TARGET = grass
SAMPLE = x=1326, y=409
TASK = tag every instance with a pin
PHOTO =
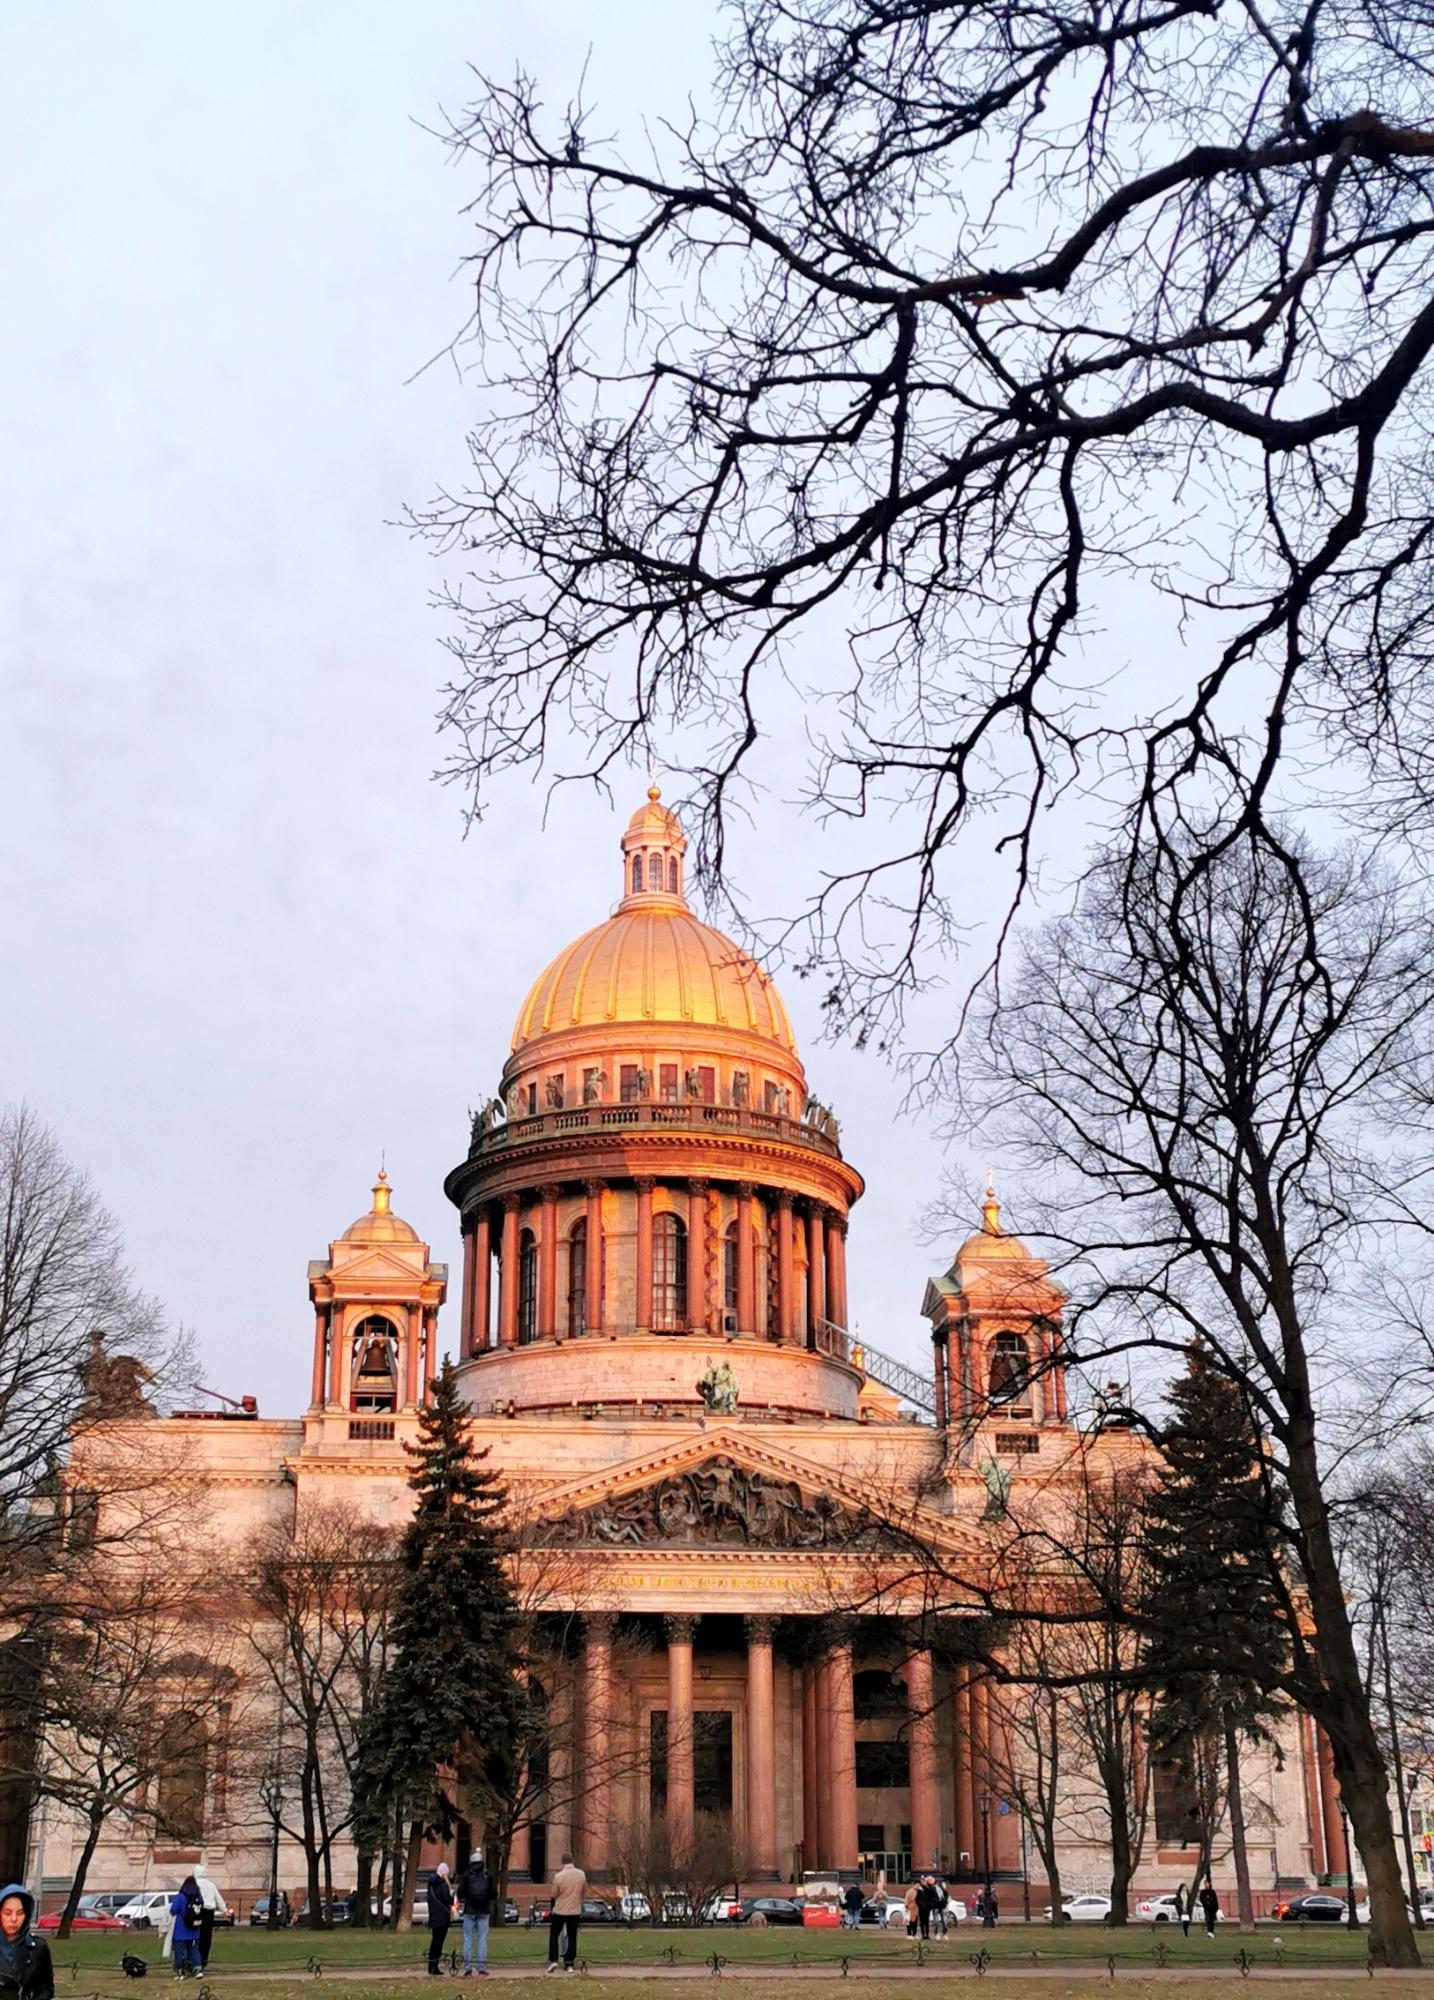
x=377, y=1965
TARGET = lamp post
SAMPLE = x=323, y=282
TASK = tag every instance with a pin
x=1352, y=1920
x=273, y=1796
x=984, y=1802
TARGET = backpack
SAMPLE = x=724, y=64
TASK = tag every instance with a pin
x=194, y=1911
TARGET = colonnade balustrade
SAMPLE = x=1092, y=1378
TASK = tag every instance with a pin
x=823, y=1721
x=809, y=1296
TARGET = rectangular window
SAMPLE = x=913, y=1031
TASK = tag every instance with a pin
x=870, y=1838
x=706, y=1086
x=627, y=1085
x=712, y=1760
x=1177, y=1804
x=667, y=1078
x=657, y=1760
x=532, y=1098
x=881, y=1765
x=1016, y=1443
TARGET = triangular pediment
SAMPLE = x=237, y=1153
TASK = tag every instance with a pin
x=379, y=1266
x=727, y=1488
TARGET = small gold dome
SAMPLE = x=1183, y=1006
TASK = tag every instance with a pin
x=380, y=1225
x=991, y=1243
x=652, y=961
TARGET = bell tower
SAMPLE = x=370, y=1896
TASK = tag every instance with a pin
x=376, y=1298
x=996, y=1333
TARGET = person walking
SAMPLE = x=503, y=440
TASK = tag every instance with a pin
x=186, y=1907
x=1210, y=1905
x=440, y=1915
x=1182, y=1908
x=851, y=1907
x=910, y=1901
x=570, y=1885
x=214, y=1906
x=475, y=1893
x=25, y=1968
x=938, y=1915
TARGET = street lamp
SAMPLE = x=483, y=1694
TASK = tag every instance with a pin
x=1352, y=1920
x=984, y=1802
x=274, y=1799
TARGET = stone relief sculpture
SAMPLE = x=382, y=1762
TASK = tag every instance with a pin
x=720, y=1503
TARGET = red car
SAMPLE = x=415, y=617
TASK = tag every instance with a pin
x=83, y=1920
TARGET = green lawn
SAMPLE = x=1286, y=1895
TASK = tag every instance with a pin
x=312, y=1955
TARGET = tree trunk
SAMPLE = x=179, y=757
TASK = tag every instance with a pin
x=1358, y=1762
x=404, y=1920
x=363, y=1888
x=96, y=1820
x=1401, y=1792
x=1122, y=1865
x=317, y=1912
x=1239, y=1852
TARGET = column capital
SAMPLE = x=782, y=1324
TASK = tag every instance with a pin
x=590, y=1188
x=599, y=1624
x=512, y=1203
x=785, y=1198
x=644, y=1183
x=696, y=1186
x=746, y=1190
x=681, y=1627
x=549, y=1191
x=759, y=1629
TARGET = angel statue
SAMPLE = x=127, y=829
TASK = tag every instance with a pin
x=718, y=1390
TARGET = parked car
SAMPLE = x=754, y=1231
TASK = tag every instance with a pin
x=110, y=1901
x=776, y=1909
x=83, y=1920
x=148, y=1911
x=1313, y=1910
x=1083, y=1910
x=260, y=1912
x=597, y=1911
x=511, y=1913
x=883, y=1911
x=1363, y=1912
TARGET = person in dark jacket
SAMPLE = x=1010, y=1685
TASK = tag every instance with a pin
x=851, y=1910
x=186, y=1907
x=475, y=1893
x=925, y=1904
x=440, y=1916
x=1210, y=1906
x=25, y=1968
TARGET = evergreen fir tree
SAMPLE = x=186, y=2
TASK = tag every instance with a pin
x=1218, y=1641
x=450, y=1694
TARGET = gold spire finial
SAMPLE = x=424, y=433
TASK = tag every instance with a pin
x=380, y=1193
x=990, y=1208
x=654, y=791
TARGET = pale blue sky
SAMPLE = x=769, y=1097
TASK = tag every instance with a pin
x=249, y=946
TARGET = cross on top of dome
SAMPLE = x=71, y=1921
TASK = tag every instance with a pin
x=652, y=851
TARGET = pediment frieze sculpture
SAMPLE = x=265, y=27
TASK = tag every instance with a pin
x=719, y=1504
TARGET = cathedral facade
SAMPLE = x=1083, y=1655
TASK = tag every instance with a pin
x=743, y=1536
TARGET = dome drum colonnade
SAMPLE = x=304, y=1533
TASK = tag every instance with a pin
x=655, y=1166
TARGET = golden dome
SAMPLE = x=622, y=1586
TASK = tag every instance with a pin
x=380, y=1225
x=653, y=961
x=990, y=1242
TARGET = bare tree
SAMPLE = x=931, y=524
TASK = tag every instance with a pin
x=1203, y=1067
x=937, y=322
x=321, y=1595
x=139, y=1702
x=78, y=1342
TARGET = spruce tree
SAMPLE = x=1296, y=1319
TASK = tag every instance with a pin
x=450, y=1694
x=1217, y=1640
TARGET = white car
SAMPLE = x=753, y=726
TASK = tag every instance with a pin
x=149, y=1911
x=1083, y=1910
x=1162, y=1910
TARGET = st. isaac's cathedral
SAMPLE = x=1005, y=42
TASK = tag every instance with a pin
x=738, y=1519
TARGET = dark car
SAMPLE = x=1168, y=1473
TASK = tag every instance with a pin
x=776, y=1909
x=260, y=1912
x=1313, y=1910
x=596, y=1911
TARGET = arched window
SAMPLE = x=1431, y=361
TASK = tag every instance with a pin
x=669, y=1272
x=654, y=871
x=375, y=1377
x=729, y=1267
x=527, y=1287
x=183, y=1777
x=672, y=875
x=578, y=1277
x=637, y=874
x=1010, y=1368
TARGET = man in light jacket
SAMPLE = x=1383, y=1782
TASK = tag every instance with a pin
x=214, y=1906
x=570, y=1885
